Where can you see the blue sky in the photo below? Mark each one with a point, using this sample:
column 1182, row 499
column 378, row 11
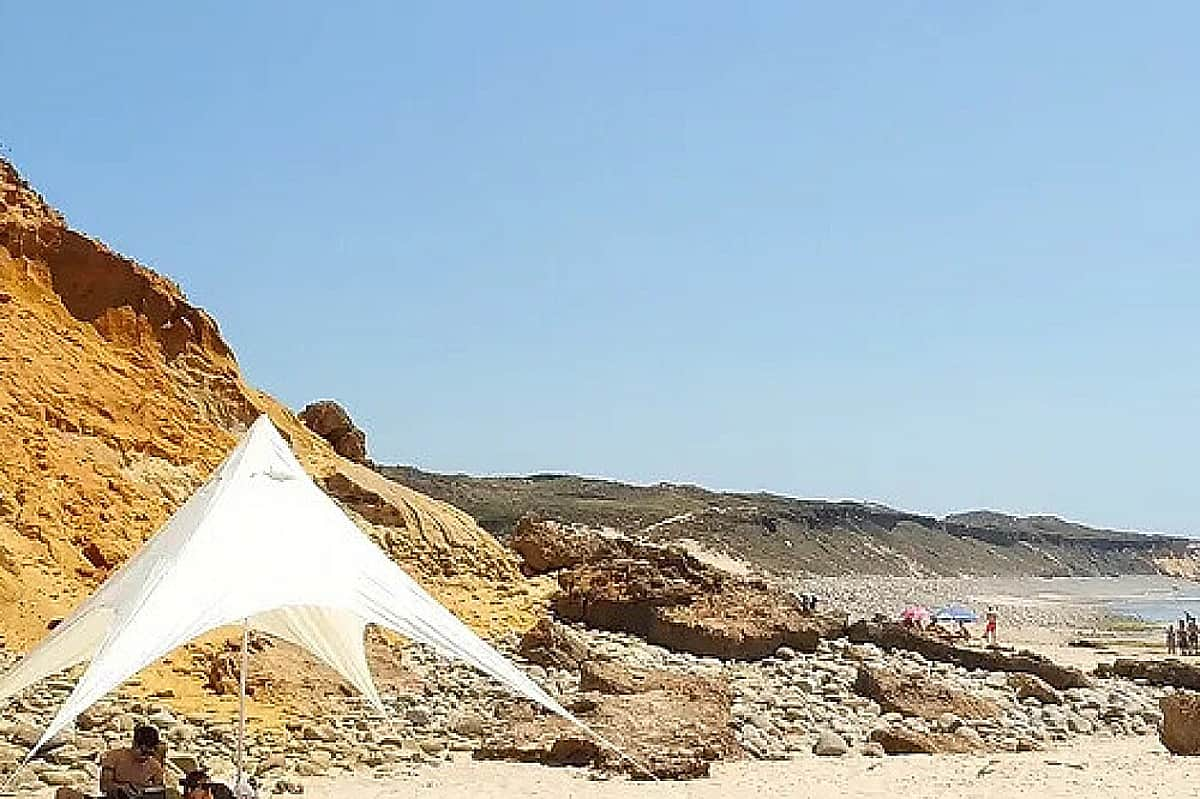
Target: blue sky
column 939, row 255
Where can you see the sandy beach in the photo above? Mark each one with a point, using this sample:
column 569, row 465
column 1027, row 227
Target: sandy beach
column 1114, row 767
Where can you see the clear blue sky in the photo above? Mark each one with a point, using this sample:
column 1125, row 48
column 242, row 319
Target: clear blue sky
column 939, row 255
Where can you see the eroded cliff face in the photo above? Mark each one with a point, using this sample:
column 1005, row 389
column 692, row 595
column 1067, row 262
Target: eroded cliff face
column 117, row 399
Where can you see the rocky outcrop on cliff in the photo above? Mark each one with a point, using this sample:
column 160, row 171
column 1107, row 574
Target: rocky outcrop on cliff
column 332, row 422
column 119, row 397
column 546, row 545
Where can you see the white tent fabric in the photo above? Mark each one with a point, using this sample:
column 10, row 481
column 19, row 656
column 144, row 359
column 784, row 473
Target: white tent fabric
column 259, row 543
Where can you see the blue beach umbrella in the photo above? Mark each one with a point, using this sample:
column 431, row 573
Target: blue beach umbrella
column 956, row 613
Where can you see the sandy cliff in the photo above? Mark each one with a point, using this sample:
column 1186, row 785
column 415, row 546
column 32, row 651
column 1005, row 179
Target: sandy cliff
column 117, row 399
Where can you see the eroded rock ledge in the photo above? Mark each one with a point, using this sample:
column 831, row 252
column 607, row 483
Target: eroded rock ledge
column 666, row 596
column 894, row 636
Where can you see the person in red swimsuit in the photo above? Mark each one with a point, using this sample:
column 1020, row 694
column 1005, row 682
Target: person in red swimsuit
column 989, row 631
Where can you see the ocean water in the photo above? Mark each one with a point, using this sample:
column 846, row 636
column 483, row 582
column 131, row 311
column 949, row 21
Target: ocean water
column 1150, row 599
column 1157, row 609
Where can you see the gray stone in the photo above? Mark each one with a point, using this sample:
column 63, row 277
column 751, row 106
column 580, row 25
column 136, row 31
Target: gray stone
column 970, row 735
column 25, row 734
column 432, row 746
column 468, row 724
column 418, row 715
column 873, row 749
column 948, row 722
column 271, row 762
column 830, row 744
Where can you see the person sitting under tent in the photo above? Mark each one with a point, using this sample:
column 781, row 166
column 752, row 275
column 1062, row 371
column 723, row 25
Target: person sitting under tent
column 129, row 773
column 196, row 785
column 136, row 771
column 222, row 791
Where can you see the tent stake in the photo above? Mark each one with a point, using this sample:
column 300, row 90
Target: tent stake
column 241, row 747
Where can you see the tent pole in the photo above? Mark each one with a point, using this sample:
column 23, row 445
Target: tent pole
column 241, row 746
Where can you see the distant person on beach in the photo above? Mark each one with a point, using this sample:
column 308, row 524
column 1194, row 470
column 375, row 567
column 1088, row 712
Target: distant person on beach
column 1193, row 635
column 1181, row 637
column 1170, row 639
column 989, row 630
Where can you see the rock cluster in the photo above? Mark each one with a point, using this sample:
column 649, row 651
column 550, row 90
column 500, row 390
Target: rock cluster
column 667, row 720
column 450, row 712
column 783, row 704
column 789, row 705
column 554, row 645
column 667, row 596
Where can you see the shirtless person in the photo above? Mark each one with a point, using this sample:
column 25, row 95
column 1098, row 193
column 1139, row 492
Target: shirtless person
column 989, row 629
column 128, row 773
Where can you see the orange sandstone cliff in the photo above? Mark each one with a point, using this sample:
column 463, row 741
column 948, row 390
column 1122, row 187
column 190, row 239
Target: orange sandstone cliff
column 118, row 398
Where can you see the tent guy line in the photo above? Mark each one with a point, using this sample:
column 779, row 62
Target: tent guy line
column 294, row 567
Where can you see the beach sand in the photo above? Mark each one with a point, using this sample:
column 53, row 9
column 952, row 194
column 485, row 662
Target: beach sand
column 1054, row 643
column 1114, row 768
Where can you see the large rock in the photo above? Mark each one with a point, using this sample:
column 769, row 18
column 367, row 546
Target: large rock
column 1030, row 686
column 920, row 695
column 552, row 644
column 669, row 597
column 613, row 677
column 890, row 635
column 1180, row 731
column 547, row 546
column 674, row 725
column 331, row 422
column 746, row 619
column 830, row 744
column 528, row 742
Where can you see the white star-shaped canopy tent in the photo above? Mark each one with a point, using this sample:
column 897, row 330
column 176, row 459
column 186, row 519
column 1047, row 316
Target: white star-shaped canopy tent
column 260, row 545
